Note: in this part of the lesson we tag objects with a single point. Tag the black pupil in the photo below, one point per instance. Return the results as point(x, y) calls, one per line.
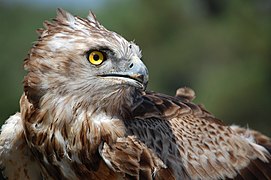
point(96, 57)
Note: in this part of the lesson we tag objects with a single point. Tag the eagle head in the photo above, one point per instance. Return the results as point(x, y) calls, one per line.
point(80, 57)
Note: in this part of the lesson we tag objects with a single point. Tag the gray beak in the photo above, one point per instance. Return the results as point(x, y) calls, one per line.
point(138, 71)
point(134, 72)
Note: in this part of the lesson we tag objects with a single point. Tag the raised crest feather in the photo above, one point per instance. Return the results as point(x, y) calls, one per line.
point(92, 18)
point(64, 16)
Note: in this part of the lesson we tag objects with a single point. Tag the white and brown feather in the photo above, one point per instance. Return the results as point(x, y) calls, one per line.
point(72, 127)
point(207, 149)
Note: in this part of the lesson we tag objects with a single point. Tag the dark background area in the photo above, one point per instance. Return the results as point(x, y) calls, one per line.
point(221, 49)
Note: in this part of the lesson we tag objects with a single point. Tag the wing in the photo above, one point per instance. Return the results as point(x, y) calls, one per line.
point(131, 158)
point(193, 143)
point(16, 160)
point(256, 136)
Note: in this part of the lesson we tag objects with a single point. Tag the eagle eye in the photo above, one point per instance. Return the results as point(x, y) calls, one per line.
point(96, 57)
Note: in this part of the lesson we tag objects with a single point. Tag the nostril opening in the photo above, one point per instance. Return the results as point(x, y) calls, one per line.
point(131, 65)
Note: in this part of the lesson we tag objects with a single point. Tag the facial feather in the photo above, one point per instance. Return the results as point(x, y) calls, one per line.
point(57, 63)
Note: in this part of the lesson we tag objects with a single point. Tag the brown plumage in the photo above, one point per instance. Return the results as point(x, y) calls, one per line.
point(85, 114)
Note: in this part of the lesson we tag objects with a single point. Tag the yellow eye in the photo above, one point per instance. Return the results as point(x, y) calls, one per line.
point(96, 57)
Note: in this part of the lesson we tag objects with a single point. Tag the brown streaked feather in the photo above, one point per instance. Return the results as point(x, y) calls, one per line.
point(188, 138)
point(256, 168)
point(258, 137)
point(131, 158)
point(51, 153)
point(165, 174)
point(185, 93)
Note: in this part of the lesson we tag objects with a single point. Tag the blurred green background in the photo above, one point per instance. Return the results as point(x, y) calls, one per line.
point(221, 49)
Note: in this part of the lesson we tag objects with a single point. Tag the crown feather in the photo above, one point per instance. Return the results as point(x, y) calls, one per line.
point(39, 31)
point(64, 16)
point(92, 19)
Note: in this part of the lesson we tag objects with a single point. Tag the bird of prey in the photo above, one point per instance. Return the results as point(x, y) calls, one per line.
point(85, 114)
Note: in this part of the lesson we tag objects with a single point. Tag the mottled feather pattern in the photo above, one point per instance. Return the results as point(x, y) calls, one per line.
point(203, 142)
point(78, 120)
point(141, 160)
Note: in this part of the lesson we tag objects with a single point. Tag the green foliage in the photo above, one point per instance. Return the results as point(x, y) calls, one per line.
point(219, 48)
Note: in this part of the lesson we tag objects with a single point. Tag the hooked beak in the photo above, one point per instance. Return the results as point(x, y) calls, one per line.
point(135, 73)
